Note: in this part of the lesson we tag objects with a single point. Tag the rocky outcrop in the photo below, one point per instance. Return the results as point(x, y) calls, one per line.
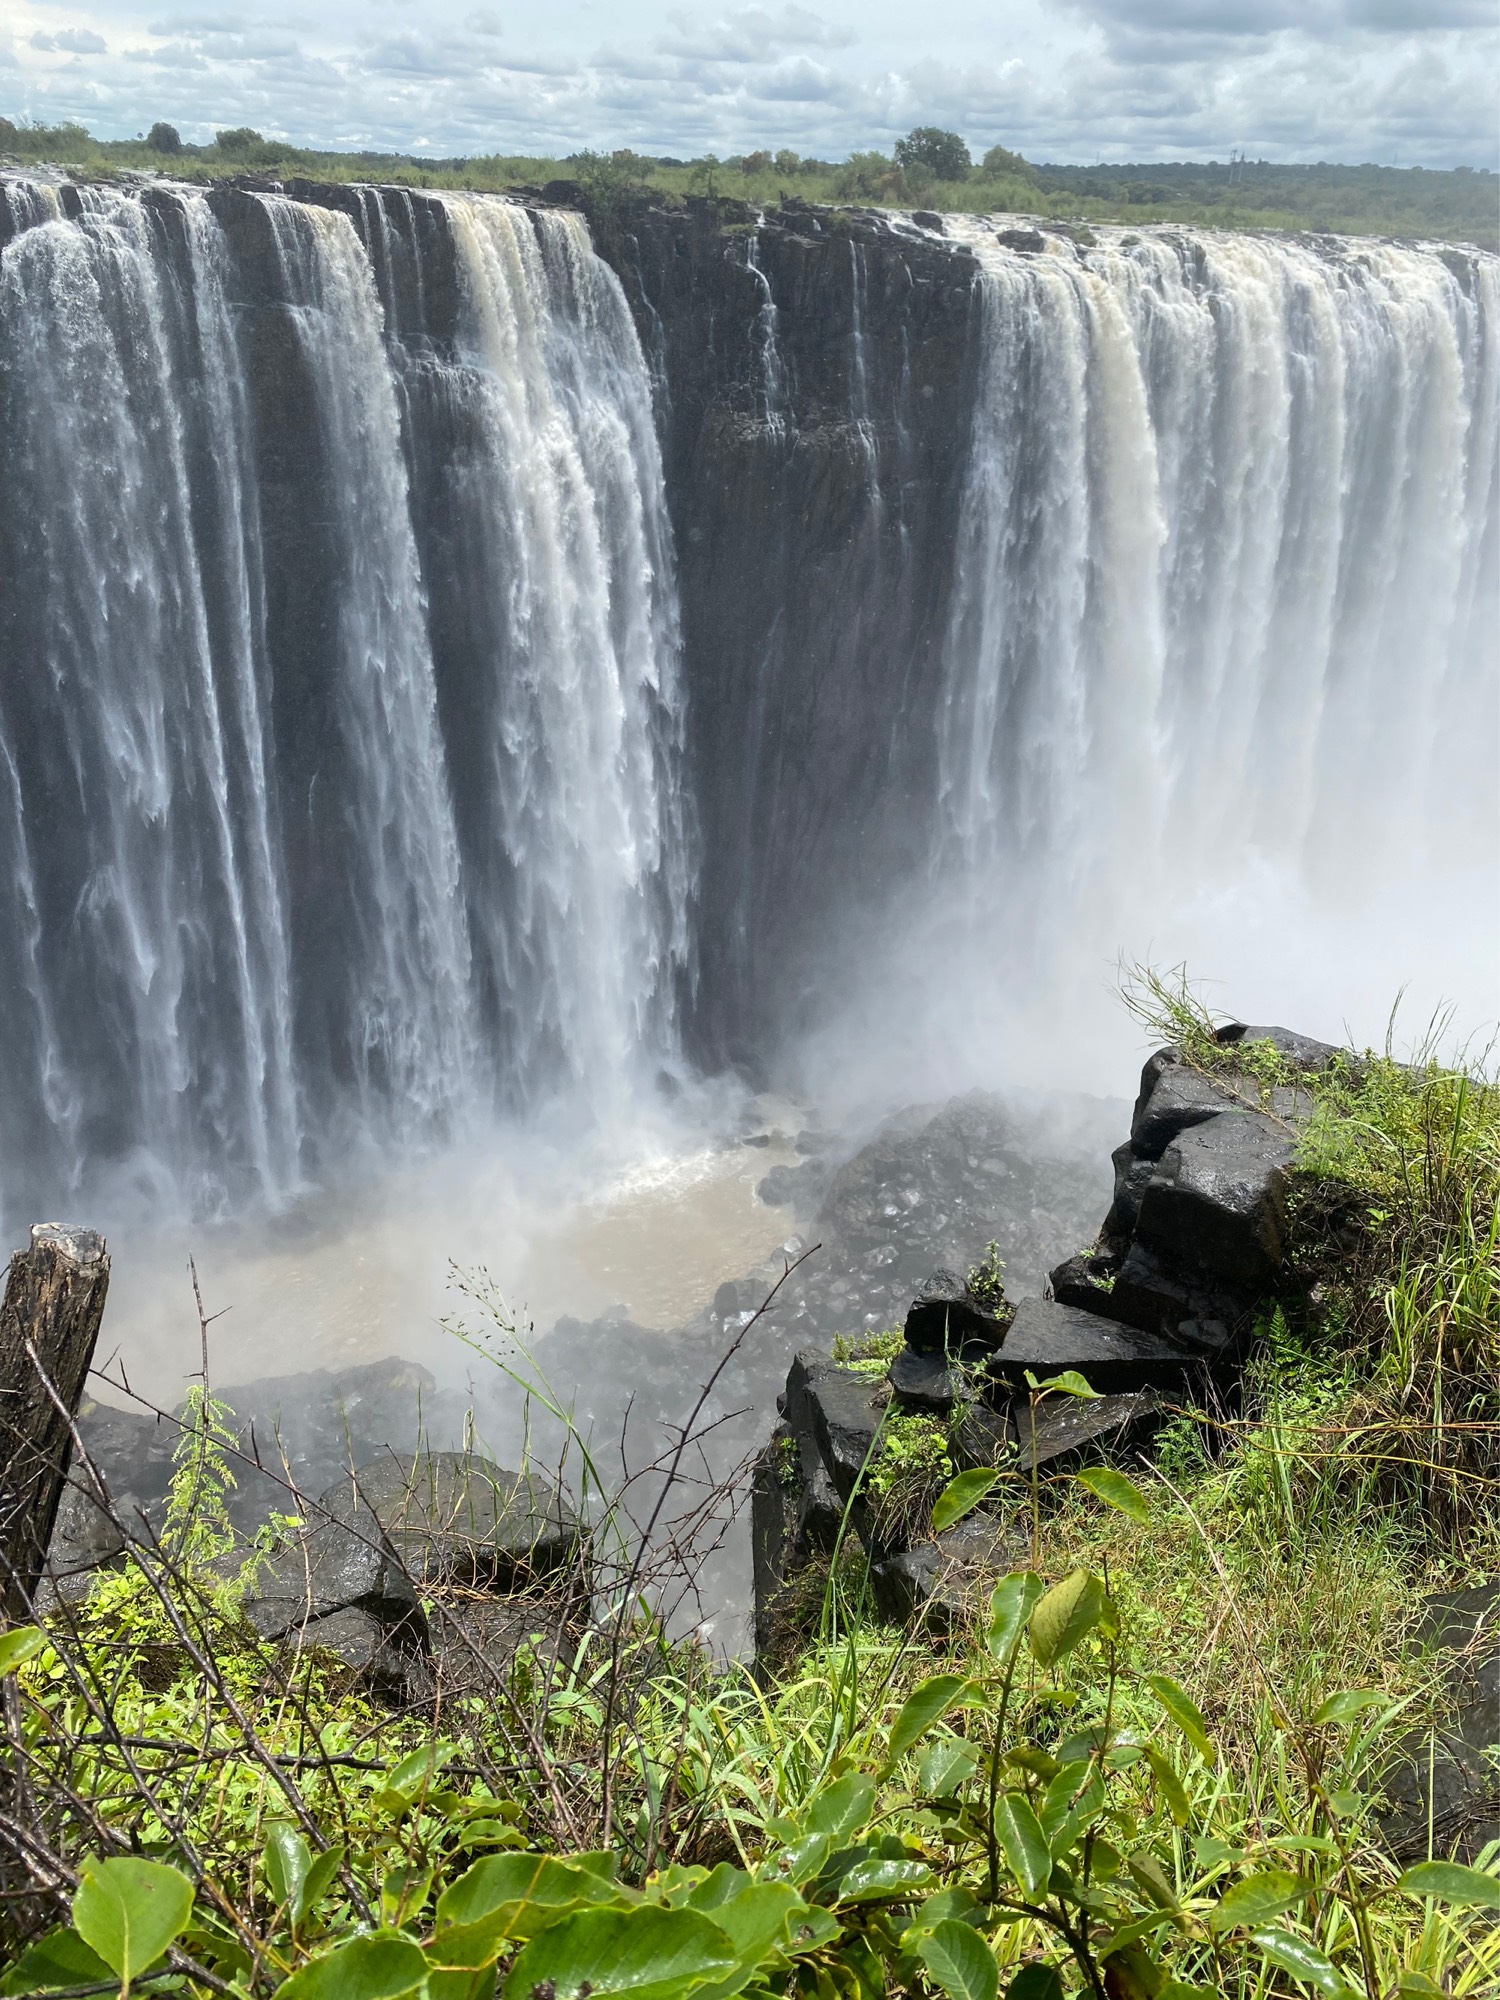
point(1193, 1240)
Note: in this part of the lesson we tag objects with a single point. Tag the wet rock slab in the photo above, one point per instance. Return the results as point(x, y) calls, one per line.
point(1047, 1339)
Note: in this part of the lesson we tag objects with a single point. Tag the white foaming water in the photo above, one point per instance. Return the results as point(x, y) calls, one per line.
point(216, 953)
point(1220, 666)
point(583, 765)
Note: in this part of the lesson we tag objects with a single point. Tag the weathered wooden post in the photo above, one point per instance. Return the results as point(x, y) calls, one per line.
point(49, 1322)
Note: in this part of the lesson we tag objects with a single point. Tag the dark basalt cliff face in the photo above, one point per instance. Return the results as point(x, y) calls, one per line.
point(814, 379)
point(816, 384)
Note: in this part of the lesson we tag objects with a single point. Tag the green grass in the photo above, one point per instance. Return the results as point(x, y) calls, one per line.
point(1457, 206)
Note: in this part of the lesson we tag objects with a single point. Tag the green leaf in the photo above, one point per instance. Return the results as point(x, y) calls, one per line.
point(1064, 1616)
point(946, 1764)
point(1451, 1882)
point(1173, 1791)
point(1118, 1491)
point(1302, 1960)
point(1022, 1842)
point(799, 1862)
point(322, 1872)
point(1073, 1797)
point(650, 1954)
point(285, 1863)
point(1346, 1706)
point(1420, 1984)
point(1035, 1982)
point(61, 1958)
point(1185, 1713)
point(1256, 1897)
point(507, 1896)
point(1012, 1603)
point(1069, 1383)
point(811, 1928)
point(756, 1919)
point(881, 1881)
point(19, 1645)
point(927, 1703)
point(1151, 1879)
point(961, 1496)
point(960, 1962)
point(130, 1910)
point(417, 1772)
point(843, 1809)
point(382, 1966)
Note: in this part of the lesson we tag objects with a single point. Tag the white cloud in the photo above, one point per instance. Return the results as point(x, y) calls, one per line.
point(1060, 79)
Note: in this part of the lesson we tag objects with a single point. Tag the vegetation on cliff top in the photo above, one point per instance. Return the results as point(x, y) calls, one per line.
point(1149, 1768)
point(928, 169)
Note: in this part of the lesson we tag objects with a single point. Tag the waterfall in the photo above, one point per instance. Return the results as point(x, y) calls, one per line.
point(1225, 585)
point(247, 916)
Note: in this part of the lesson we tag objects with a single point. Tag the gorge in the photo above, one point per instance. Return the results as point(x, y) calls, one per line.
point(453, 664)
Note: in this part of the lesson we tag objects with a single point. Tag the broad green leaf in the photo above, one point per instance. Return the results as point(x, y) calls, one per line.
point(1451, 1882)
point(810, 1929)
point(508, 1896)
point(961, 1496)
point(799, 1862)
point(1072, 1798)
point(322, 1872)
point(946, 1764)
point(1116, 1490)
point(1178, 1989)
point(1289, 1953)
point(130, 1910)
point(1133, 1974)
point(286, 1861)
point(957, 1902)
point(403, 1892)
point(446, 1985)
point(19, 1645)
point(1035, 1982)
point(1344, 1707)
point(1185, 1713)
point(382, 1966)
point(960, 1962)
point(1012, 1603)
point(1068, 1383)
point(879, 1881)
point(843, 1809)
point(1064, 1616)
point(1022, 1842)
point(757, 1917)
point(1151, 1879)
point(1420, 1984)
point(418, 1771)
point(703, 1888)
point(1256, 1897)
point(1173, 1791)
point(648, 1953)
point(61, 1958)
point(927, 1703)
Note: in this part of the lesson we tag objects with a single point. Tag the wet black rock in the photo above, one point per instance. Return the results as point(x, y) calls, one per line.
point(943, 1580)
point(361, 1641)
point(1217, 1201)
point(1068, 1429)
point(343, 1562)
point(840, 1410)
point(1442, 1788)
point(924, 1381)
point(1302, 1050)
point(458, 1518)
point(1047, 1339)
point(945, 1318)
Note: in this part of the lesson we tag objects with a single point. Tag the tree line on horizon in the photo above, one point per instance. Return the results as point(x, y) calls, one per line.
point(931, 166)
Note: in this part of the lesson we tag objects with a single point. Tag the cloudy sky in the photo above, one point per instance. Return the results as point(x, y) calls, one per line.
point(1406, 81)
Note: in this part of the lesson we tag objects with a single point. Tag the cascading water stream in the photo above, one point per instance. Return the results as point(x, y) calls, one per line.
point(1226, 575)
point(244, 916)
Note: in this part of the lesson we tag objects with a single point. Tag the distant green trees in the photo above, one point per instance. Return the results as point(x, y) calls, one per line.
point(164, 138)
point(240, 142)
point(930, 150)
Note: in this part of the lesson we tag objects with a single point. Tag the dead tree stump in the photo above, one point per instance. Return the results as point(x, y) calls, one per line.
point(49, 1322)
